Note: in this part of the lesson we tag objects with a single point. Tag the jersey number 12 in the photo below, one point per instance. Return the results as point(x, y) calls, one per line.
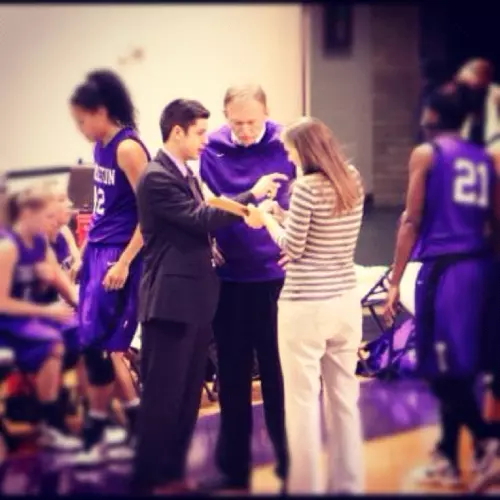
point(470, 186)
point(99, 199)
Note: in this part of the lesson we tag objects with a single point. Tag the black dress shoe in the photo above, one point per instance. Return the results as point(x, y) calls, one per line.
point(284, 488)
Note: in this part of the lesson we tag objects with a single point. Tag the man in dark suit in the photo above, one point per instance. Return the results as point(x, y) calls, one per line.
point(178, 296)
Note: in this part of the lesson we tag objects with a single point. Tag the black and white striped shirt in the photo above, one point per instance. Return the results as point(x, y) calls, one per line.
point(320, 244)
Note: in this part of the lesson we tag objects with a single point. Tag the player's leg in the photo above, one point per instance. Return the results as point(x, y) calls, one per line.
point(119, 342)
point(108, 322)
point(96, 309)
point(39, 350)
point(460, 300)
point(126, 391)
point(442, 468)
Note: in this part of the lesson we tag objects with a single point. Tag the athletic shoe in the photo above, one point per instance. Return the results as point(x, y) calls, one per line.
point(439, 472)
point(115, 436)
point(488, 469)
point(54, 439)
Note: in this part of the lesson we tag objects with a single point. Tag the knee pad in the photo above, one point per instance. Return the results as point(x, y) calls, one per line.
point(100, 370)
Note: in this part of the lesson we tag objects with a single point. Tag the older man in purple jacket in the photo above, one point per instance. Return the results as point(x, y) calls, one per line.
point(236, 156)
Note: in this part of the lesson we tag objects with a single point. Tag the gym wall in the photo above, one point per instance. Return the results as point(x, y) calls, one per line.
point(192, 51)
point(341, 87)
point(368, 94)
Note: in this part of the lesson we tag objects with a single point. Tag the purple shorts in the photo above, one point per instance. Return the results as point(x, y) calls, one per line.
point(108, 320)
point(449, 317)
point(32, 339)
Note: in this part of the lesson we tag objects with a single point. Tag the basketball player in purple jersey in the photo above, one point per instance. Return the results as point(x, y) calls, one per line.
point(60, 246)
point(32, 330)
point(61, 238)
point(110, 272)
point(448, 208)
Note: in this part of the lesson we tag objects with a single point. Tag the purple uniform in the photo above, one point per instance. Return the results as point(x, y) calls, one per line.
point(109, 319)
point(30, 338)
point(48, 294)
point(230, 169)
point(455, 251)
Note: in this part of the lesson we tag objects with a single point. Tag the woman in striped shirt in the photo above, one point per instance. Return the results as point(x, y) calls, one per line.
point(320, 317)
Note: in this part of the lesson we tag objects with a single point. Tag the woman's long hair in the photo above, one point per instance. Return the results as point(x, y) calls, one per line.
point(319, 152)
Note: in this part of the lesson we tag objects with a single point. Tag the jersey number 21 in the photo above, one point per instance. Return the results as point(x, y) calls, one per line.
point(470, 186)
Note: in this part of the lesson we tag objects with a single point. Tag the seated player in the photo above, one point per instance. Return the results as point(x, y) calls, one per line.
point(33, 330)
point(55, 217)
point(448, 208)
point(62, 242)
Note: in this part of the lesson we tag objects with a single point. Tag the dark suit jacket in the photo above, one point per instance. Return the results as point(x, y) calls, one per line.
point(178, 281)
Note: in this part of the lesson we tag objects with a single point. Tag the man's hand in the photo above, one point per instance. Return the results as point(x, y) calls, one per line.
point(391, 304)
point(116, 276)
point(268, 185)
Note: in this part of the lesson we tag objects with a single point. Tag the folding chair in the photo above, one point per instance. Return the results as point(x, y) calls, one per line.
point(374, 298)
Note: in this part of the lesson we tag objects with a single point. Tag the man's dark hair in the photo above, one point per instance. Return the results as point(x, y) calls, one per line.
point(449, 104)
point(181, 112)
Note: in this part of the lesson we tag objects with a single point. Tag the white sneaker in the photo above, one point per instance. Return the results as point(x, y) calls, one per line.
point(488, 469)
point(56, 440)
point(115, 436)
point(439, 472)
point(95, 455)
point(120, 454)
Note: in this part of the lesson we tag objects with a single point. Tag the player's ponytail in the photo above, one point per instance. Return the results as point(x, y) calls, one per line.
point(104, 88)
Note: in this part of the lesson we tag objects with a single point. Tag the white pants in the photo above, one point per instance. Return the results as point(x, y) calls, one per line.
point(319, 340)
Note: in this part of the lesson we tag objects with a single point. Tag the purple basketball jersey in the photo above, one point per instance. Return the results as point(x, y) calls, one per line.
point(24, 280)
point(458, 199)
point(115, 211)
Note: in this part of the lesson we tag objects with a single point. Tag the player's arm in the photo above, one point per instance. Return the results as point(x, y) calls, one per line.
point(132, 159)
point(73, 247)
point(8, 304)
point(419, 164)
point(60, 279)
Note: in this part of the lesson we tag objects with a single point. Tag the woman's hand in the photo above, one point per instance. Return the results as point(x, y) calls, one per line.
point(254, 218)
